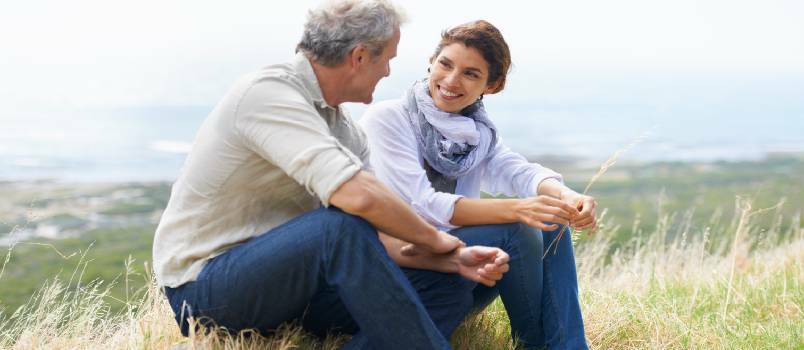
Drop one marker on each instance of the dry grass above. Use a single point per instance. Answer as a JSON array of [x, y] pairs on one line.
[[671, 287], [695, 291], [600, 172]]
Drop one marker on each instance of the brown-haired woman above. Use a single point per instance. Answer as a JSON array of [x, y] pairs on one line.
[[437, 148]]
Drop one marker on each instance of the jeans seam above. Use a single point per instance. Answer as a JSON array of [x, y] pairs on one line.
[[533, 319], [551, 297]]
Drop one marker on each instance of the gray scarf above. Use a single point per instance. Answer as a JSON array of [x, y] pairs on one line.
[[453, 154]]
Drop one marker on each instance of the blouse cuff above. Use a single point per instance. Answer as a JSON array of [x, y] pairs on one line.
[[438, 209], [533, 187]]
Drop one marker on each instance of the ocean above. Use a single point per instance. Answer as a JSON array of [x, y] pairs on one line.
[[681, 122]]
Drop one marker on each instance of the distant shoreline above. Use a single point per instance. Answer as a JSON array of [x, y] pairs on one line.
[[557, 162], [587, 163]]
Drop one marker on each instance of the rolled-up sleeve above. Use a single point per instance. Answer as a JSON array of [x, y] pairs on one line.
[[280, 125], [511, 174], [395, 161]]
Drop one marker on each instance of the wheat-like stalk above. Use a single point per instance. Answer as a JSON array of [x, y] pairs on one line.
[[745, 207], [613, 160], [31, 218], [603, 168]]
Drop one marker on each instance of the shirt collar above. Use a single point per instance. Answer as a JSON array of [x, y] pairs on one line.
[[301, 64]]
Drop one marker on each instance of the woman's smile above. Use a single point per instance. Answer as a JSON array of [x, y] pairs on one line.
[[447, 94]]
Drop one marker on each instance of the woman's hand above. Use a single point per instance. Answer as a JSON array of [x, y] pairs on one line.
[[586, 206], [538, 211], [481, 264]]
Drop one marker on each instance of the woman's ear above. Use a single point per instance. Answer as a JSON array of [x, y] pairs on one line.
[[493, 88]]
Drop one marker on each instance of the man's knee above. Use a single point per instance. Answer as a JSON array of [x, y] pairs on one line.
[[345, 231], [339, 221]]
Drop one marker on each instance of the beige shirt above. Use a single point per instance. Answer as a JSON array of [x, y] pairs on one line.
[[271, 150]]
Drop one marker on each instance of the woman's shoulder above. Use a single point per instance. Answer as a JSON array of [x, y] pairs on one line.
[[385, 114]]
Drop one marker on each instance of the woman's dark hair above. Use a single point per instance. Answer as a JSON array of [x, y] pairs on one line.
[[486, 39]]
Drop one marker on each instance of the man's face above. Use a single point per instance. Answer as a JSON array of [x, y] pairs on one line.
[[374, 69]]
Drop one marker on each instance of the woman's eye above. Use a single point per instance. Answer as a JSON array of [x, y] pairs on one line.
[[444, 64]]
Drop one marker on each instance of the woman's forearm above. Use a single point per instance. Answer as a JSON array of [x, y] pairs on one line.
[[541, 211], [552, 187], [484, 211]]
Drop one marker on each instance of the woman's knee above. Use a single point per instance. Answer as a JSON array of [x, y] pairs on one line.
[[525, 235], [522, 238]]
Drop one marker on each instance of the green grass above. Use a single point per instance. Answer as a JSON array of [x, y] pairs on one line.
[[104, 253], [653, 294], [657, 276], [645, 192]]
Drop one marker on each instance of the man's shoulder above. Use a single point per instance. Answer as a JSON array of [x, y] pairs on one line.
[[269, 87]]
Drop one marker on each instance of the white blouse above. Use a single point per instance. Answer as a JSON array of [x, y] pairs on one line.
[[395, 160]]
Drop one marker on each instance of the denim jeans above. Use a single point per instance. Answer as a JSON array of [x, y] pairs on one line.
[[540, 295], [308, 269]]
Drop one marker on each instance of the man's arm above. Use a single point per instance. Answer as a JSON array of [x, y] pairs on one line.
[[365, 196], [480, 264]]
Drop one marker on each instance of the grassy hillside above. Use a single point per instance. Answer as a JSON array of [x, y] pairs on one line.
[[679, 264], [99, 255]]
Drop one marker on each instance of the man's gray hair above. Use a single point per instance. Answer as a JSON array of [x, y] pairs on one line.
[[336, 27]]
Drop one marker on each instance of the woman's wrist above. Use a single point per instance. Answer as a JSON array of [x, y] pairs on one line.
[[513, 209], [550, 187], [567, 193]]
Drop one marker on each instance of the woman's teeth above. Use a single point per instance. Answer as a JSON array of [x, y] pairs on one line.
[[448, 93]]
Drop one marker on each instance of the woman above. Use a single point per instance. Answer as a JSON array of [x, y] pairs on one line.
[[437, 148]]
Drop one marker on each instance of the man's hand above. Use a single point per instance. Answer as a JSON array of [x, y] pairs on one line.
[[586, 206], [480, 264], [443, 244]]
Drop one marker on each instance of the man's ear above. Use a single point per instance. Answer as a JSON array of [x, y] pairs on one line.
[[358, 56]]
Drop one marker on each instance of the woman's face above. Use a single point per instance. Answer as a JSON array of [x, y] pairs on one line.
[[458, 76]]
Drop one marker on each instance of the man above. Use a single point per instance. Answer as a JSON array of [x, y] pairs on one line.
[[243, 243]]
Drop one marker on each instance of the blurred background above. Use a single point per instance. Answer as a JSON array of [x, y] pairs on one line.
[[100, 102], [114, 91]]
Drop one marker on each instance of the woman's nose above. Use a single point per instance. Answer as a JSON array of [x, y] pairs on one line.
[[452, 78]]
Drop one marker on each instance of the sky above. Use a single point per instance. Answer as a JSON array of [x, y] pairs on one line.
[[87, 53]]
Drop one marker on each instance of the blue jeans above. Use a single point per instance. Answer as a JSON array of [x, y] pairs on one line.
[[540, 295], [306, 270]]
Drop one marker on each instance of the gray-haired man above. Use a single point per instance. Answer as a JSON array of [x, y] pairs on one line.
[[243, 242]]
